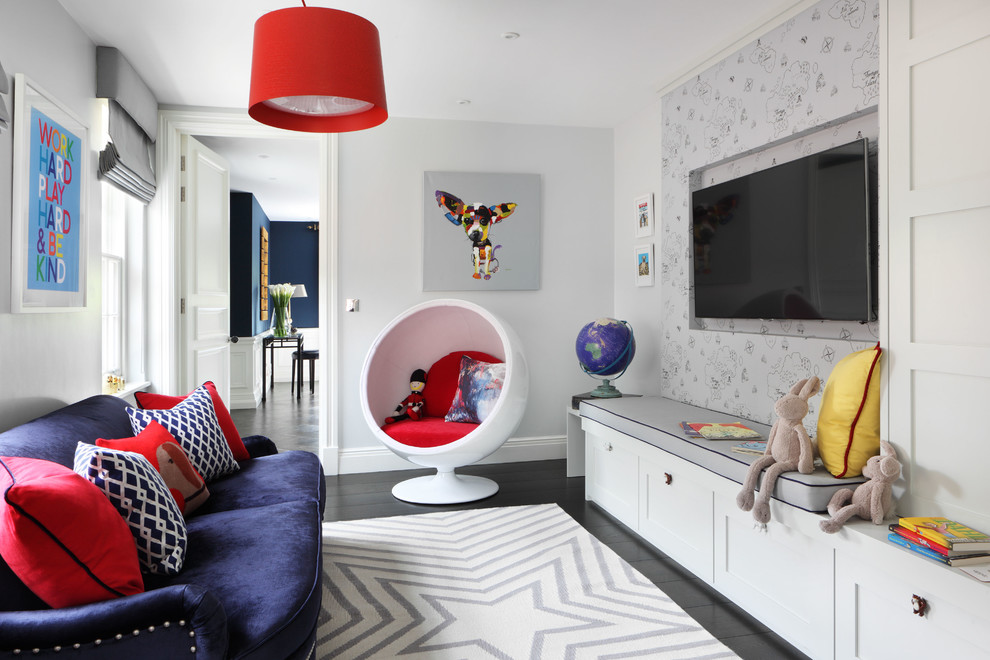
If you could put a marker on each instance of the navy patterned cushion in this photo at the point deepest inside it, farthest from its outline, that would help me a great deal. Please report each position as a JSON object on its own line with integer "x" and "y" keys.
{"x": 193, "y": 423}
{"x": 134, "y": 486}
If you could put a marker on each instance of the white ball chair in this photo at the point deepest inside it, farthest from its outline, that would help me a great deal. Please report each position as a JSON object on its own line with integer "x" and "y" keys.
{"x": 415, "y": 340}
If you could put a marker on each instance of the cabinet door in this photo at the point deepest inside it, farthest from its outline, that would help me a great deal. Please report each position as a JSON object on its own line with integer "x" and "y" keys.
{"x": 783, "y": 574}
{"x": 675, "y": 511}
{"x": 612, "y": 470}
{"x": 875, "y": 619}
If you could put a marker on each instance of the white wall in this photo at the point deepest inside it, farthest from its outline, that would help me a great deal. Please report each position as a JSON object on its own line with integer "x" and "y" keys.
{"x": 637, "y": 172}
{"x": 380, "y": 247}
{"x": 48, "y": 359}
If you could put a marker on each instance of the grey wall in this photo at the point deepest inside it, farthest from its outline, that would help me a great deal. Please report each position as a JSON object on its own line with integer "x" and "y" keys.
{"x": 47, "y": 359}
{"x": 381, "y": 230}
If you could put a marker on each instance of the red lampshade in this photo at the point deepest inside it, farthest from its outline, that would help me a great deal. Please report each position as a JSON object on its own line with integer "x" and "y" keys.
{"x": 317, "y": 69}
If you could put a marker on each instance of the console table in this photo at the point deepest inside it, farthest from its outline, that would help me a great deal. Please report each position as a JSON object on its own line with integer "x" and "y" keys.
{"x": 272, "y": 342}
{"x": 851, "y": 594}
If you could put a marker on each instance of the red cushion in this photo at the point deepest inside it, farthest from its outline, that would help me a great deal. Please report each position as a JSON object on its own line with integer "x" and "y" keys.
{"x": 62, "y": 537}
{"x": 160, "y": 448}
{"x": 152, "y": 401}
{"x": 441, "y": 381}
{"x": 427, "y": 432}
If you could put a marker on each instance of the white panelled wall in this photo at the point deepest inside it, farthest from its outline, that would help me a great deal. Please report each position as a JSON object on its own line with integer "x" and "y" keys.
{"x": 938, "y": 210}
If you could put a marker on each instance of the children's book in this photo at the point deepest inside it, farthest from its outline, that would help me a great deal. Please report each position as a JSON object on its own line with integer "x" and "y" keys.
{"x": 948, "y": 533}
{"x": 727, "y": 431}
{"x": 961, "y": 560}
{"x": 756, "y": 447}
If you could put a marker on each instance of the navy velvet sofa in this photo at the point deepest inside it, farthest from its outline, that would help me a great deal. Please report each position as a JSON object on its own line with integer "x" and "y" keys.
{"x": 249, "y": 588}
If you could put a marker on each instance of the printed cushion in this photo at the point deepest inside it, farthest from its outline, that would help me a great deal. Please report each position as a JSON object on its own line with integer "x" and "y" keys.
{"x": 140, "y": 495}
{"x": 478, "y": 388}
{"x": 441, "y": 381}
{"x": 61, "y": 536}
{"x": 849, "y": 419}
{"x": 165, "y": 455}
{"x": 193, "y": 423}
{"x": 152, "y": 401}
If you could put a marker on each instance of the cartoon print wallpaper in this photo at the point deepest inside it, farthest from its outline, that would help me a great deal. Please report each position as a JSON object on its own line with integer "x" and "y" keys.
{"x": 806, "y": 86}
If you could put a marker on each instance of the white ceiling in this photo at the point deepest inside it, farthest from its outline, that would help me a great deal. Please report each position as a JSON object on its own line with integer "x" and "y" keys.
{"x": 576, "y": 62}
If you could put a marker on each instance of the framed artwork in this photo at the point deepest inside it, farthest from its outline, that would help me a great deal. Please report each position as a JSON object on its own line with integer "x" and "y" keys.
{"x": 49, "y": 223}
{"x": 264, "y": 274}
{"x": 481, "y": 232}
{"x": 644, "y": 265}
{"x": 644, "y": 216}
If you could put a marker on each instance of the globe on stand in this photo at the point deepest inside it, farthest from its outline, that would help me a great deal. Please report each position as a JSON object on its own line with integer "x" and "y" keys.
{"x": 605, "y": 348}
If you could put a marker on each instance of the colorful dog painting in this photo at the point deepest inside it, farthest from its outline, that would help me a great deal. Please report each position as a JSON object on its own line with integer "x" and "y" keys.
{"x": 476, "y": 220}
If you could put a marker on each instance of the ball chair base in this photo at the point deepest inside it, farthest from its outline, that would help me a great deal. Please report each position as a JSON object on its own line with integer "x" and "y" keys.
{"x": 444, "y": 488}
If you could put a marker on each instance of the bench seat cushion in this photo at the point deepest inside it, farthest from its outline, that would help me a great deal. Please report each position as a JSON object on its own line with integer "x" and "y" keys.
{"x": 656, "y": 421}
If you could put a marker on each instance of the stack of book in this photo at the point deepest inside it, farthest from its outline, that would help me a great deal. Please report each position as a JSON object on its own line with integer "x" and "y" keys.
{"x": 942, "y": 539}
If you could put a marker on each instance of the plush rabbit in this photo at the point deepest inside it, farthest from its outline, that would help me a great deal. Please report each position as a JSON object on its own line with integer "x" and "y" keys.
{"x": 788, "y": 448}
{"x": 872, "y": 500}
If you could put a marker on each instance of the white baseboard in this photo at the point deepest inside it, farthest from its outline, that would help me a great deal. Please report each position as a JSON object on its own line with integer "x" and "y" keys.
{"x": 515, "y": 450}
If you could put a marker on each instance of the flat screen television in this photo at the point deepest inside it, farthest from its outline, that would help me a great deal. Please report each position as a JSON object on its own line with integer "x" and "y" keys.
{"x": 794, "y": 241}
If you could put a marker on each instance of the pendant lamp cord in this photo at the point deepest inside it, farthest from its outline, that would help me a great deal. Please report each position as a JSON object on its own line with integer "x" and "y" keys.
{"x": 304, "y": 3}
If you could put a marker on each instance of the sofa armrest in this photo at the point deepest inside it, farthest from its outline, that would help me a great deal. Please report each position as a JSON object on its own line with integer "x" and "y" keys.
{"x": 259, "y": 445}
{"x": 178, "y": 621}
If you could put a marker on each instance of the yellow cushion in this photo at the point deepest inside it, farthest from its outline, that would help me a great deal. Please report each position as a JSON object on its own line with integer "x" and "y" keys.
{"x": 849, "y": 420}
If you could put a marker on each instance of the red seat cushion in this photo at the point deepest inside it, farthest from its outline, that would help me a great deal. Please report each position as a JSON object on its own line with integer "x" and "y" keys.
{"x": 441, "y": 382}
{"x": 427, "y": 432}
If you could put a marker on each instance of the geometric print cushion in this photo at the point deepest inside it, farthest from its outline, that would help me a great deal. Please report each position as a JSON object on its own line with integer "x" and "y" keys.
{"x": 193, "y": 423}
{"x": 134, "y": 486}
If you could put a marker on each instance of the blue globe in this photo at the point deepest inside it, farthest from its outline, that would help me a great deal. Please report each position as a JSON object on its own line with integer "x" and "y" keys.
{"x": 605, "y": 348}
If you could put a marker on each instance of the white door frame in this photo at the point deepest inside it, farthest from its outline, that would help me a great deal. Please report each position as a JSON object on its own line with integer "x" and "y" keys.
{"x": 174, "y": 123}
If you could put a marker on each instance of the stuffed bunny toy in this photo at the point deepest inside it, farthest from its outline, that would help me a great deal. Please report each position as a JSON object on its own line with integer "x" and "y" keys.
{"x": 872, "y": 500}
{"x": 788, "y": 448}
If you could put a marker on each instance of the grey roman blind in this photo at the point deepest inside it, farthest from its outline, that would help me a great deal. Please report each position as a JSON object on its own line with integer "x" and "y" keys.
{"x": 4, "y": 113}
{"x": 128, "y": 161}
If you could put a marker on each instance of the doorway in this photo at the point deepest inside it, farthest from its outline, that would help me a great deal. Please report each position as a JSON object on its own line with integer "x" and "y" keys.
{"x": 225, "y": 124}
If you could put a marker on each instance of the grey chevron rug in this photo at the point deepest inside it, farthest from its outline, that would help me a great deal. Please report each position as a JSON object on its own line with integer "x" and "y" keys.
{"x": 512, "y": 583}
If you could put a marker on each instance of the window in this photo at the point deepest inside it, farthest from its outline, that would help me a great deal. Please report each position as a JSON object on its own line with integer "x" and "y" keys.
{"x": 123, "y": 289}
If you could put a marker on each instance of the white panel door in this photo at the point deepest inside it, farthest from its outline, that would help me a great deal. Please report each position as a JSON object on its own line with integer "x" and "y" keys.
{"x": 205, "y": 269}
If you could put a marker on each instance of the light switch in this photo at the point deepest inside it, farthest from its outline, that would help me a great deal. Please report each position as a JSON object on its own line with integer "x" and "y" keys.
{"x": 351, "y": 304}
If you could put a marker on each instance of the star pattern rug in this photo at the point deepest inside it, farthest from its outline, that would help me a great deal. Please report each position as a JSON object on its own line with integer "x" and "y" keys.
{"x": 512, "y": 583}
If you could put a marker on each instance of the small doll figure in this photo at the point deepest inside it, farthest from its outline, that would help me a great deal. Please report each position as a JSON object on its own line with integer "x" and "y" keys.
{"x": 412, "y": 406}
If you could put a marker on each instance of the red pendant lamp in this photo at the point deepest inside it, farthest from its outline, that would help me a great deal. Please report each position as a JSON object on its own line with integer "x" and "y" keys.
{"x": 318, "y": 70}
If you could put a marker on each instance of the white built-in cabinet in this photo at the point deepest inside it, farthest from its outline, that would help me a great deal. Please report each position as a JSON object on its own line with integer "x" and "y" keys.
{"x": 844, "y": 595}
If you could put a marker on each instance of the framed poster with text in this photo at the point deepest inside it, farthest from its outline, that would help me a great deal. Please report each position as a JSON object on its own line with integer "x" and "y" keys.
{"x": 49, "y": 227}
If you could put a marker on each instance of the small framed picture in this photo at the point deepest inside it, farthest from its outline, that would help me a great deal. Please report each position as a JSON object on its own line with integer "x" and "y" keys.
{"x": 644, "y": 265}
{"x": 644, "y": 216}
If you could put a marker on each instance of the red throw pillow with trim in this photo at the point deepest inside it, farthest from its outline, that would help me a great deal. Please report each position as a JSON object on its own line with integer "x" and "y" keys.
{"x": 62, "y": 537}
{"x": 152, "y": 401}
{"x": 160, "y": 448}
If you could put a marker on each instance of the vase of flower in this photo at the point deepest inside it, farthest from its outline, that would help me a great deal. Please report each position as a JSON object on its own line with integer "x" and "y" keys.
{"x": 281, "y": 324}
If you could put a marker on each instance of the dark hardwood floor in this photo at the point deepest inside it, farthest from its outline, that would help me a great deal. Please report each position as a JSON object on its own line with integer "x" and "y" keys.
{"x": 291, "y": 423}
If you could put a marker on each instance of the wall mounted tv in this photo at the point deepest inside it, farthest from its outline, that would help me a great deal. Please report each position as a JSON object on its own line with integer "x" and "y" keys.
{"x": 794, "y": 241}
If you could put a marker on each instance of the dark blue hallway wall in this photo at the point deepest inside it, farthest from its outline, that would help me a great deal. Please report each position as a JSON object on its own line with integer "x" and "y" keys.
{"x": 295, "y": 258}
{"x": 246, "y": 220}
